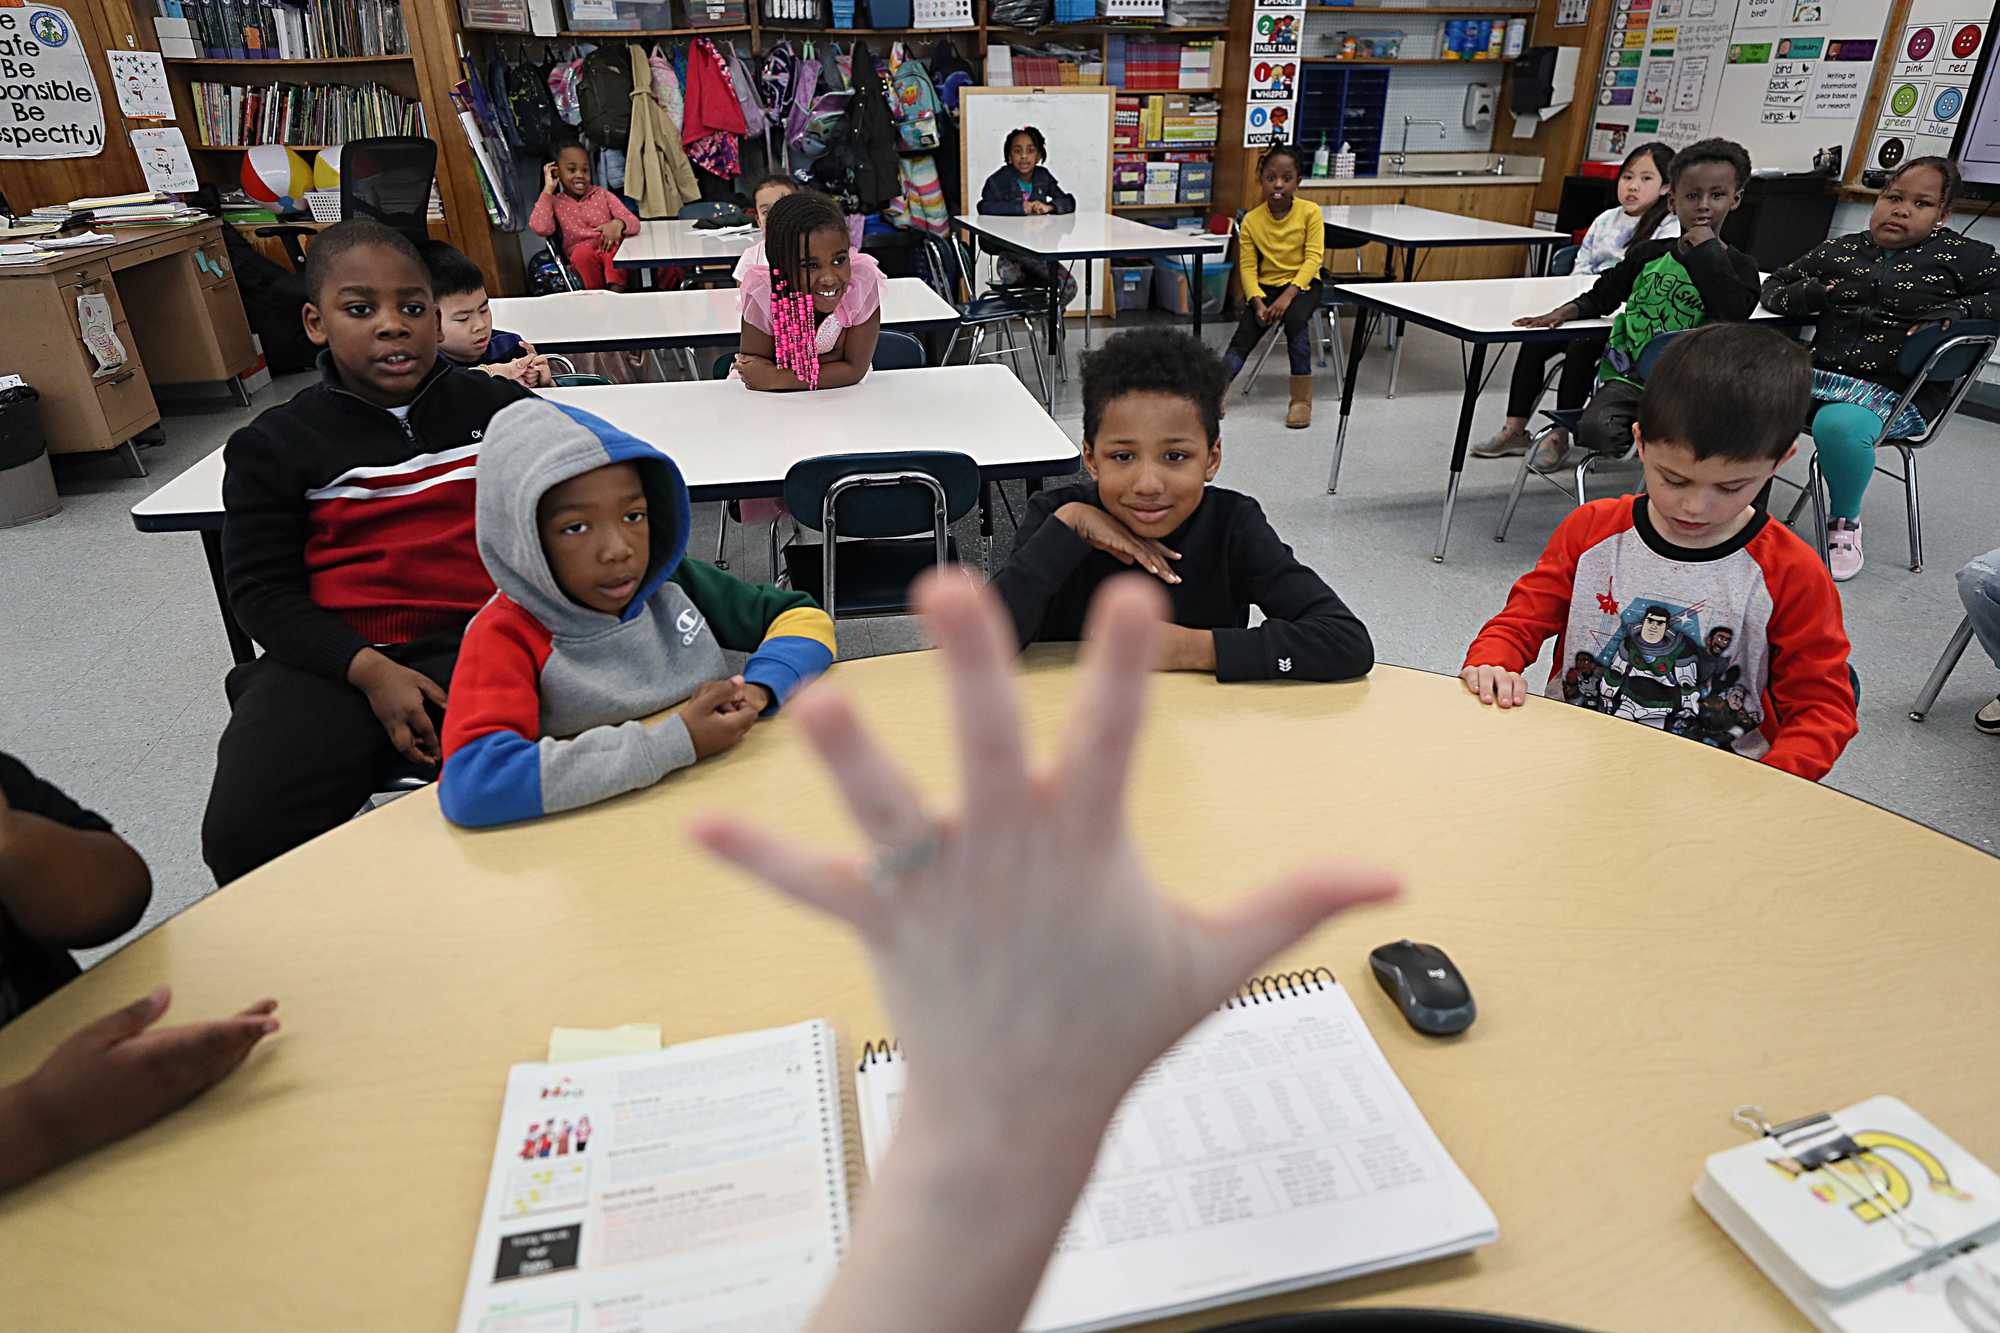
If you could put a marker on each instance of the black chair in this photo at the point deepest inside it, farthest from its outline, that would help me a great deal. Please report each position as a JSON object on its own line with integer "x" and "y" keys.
{"x": 896, "y": 350}
{"x": 865, "y": 506}
{"x": 951, "y": 274}
{"x": 386, "y": 179}
{"x": 714, "y": 210}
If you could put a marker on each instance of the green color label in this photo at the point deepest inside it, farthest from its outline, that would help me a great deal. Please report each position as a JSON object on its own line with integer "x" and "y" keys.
{"x": 1750, "y": 53}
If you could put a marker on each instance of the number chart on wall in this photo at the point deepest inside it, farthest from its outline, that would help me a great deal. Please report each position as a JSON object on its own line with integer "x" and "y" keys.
{"x": 1935, "y": 55}
{"x": 1785, "y": 78}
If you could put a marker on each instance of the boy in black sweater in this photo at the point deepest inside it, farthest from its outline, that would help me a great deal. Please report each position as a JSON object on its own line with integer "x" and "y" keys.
{"x": 1152, "y": 408}
{"x": 1664, "y": 286}
{"x": 348, "y": 551}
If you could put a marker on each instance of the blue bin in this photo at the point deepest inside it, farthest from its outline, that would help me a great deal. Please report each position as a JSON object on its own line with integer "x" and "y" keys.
{"x": 890, "y": 13}
{"x": 843, "y": 13}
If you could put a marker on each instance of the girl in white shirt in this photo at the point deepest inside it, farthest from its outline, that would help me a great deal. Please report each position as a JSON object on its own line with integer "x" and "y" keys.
{"x": 1644, "y": 211}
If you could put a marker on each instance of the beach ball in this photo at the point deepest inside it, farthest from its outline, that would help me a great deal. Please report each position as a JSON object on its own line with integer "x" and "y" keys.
{"x": 275, "y": 174}
{"x": 326, "y": 168}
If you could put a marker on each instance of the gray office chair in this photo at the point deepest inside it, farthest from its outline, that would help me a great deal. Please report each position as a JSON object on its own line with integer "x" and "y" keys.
{"x": 1937, "y": 355}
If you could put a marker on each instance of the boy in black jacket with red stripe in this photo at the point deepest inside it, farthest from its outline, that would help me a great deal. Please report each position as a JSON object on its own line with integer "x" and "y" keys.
{"x": 1152, "y": 404}
{"x": 348, "y": 551}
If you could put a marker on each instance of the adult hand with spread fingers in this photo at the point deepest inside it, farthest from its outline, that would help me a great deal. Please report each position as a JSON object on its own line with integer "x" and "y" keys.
{"x": 989, "y": 931}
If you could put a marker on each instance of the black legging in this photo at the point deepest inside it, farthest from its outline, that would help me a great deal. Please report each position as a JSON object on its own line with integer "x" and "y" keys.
{"x": 1579, "y": 372}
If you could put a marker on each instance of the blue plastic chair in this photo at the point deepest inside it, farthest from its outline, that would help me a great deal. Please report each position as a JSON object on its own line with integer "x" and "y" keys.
{"x": 896, "y": 350}
{"x": 1567, "y": 418}
{"x": 865, "y": 506}
{"x": 952, "y": 275}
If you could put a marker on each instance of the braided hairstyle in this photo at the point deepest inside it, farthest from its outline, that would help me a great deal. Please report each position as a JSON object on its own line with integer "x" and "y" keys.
{"x": 788, "y": 232}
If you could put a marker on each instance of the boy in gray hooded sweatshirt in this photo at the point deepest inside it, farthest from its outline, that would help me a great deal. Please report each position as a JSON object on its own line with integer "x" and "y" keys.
{"x": 600, "y": 621}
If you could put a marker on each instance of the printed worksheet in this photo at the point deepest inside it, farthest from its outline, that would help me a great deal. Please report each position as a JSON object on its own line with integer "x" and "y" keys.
{"x": 700, "y": 1187}
{"x": 1271, "y": 1148}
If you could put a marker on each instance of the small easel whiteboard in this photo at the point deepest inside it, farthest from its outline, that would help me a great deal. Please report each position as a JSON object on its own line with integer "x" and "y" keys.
{"x": 1075, "y": 121}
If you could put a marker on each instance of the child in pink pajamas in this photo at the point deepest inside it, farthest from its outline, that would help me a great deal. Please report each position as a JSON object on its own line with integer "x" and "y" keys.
{"x": 591, "y": 219}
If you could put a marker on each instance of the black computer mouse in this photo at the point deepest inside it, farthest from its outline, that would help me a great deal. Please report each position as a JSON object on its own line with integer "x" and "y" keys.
{"x": 1425, "y": 986}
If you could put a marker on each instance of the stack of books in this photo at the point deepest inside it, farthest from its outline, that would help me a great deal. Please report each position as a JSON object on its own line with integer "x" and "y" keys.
{"x": 231, "y": 116}
{"x": 291, "y": 29}
{"x": 118, "y": 210}
{"x": 1146, "y": 64}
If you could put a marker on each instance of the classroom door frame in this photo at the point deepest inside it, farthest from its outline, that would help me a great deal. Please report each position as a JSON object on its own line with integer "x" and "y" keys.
{"x": 1103, "y": 295}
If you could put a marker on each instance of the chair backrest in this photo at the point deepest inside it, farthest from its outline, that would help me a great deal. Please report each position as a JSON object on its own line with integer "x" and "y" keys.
{"x": 723, "y": 365}
{"x": 1649, "y": 355}
{"x": 896, "y": 350}
{"x": 1563, "y": 262}
{"x": 1944, "y": 354}
{"x": 711, "y": 210}
{"x": 886, "y": 508}
{"x": 578, "y": 381}
{"x": 389, "y": 180}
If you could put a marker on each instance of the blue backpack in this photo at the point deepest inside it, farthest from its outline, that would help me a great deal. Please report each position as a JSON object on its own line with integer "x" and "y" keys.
{"x": 914, "y": 100}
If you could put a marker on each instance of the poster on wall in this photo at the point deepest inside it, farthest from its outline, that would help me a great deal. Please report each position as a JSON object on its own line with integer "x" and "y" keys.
{"x": 139, "y": 78}
{"x": 1928, "y": 86}
{"x": 163, "y": 158}
{"x": 1271, "y": 96}
{"x": 49, "y": 105}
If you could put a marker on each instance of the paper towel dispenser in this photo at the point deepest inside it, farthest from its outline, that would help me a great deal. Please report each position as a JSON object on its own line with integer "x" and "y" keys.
{"x": 1544, "y": 80}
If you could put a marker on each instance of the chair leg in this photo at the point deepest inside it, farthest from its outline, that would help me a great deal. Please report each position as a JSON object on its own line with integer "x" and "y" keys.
{"x": 1819, "y": 505}
{"x": 1582, "y": 474}
{"x": 1520, "y": 483}
{"x": 1257, "y": 369}
{"x": 721, "y": 535}
{"x": 1792, "y": 518}
{"x": 774, "y": 550}
{"x": 1323, "y": 320}
{"x": 1910, "y": 503}
{"x": 951, "y": 345}
{"x": 1946, "y": 664}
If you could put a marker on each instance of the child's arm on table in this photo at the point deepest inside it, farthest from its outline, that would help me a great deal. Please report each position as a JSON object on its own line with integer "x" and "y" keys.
{"x": 1308, "y": 633}
{"x": 1052, "y": 540}
{"x": 113, "y": 1078}
{"x": 498, "y": 768}
{"x": 1537, "y": 609}
{"x": 757, "y": 363}
{"x": 789, "y": 639}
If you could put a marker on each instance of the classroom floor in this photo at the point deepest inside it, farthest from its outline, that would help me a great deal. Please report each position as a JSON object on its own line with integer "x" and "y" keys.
{"x": 112, "y": 660}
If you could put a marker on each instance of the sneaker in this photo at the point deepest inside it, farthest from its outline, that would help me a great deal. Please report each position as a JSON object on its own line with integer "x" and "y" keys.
{"x": 1551, "y": 452}
{"x": 1843, "y": 546}
{"x": 1987, "y": 719}
{"x": 1510, "y": 440}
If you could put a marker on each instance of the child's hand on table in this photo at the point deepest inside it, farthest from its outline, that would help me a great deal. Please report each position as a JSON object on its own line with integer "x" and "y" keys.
{"x": 1036, "y": 208}
{"x": 717, "y": 716}
{"x": 1554, "y": 319}
{"x": 397, "y": 694}
{"x": 1495, "y": 685}
{"x": 758, "y": 372}
{"x": 609, "y": 235}
{"x": 756, "y": 698}
{"x": 115, "y": 1077}
{"x": 1116, "y": 540}
{"x": 534, "y": 372}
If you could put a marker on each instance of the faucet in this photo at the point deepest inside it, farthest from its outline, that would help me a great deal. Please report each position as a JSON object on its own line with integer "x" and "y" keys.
{"x": 1400, "y": 159}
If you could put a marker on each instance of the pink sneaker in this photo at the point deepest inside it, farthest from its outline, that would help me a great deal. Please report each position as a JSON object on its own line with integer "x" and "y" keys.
{"x": 1843, "y": 545}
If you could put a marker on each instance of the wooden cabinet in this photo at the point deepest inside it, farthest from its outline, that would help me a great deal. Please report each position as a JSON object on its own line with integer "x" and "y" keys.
{"x": 1495, "y": 203}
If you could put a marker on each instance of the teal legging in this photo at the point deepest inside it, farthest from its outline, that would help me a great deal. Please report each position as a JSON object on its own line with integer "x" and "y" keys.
{"x": 1845, "y": 434}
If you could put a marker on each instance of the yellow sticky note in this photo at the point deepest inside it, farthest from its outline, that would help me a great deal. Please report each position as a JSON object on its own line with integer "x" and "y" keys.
{"x": 593, "y": 1043}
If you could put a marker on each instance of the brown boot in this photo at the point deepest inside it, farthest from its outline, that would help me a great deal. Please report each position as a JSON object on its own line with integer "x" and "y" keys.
{"x": 1300, "y": 414}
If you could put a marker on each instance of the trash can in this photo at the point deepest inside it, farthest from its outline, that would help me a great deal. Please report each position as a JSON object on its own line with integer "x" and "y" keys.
{"x": 27, "y": 486}
{"x": 1133, "y": 284}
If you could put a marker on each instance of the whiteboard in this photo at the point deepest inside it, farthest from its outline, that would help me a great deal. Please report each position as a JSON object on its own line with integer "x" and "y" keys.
{"x": 1784, "y": 78}
{"x": 1076, "y": 123}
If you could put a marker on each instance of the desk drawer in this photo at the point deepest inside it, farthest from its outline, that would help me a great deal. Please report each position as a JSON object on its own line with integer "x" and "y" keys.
{"x": 127, "y": 396}
{"x": 213, "y": 264}
{"x": 84, "y": 284}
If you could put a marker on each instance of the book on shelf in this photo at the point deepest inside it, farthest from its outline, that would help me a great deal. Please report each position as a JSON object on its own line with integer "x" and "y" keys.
{"x": 278, "y": 30}
{"x": 237, "y": 116}
{"x": 707, "y": 1184}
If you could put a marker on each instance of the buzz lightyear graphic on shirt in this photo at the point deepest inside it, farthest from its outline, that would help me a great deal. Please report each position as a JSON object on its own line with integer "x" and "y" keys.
{"x": 1659, "y": 668}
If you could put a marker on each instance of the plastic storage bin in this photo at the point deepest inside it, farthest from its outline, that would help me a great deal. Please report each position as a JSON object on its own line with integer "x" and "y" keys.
{"x": 1170, "y": 285}
{"x": 891, "y": 13}
{"x": 27, "y": 486}
{"x": 717, "y": 13}
{"x": 632, "y": 16}
{"x": 1132, "y": 284}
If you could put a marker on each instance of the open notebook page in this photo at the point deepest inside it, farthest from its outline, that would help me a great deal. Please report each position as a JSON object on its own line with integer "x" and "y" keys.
{"x": 698, "y": 1187}
{"x": 1272, "y": 1148}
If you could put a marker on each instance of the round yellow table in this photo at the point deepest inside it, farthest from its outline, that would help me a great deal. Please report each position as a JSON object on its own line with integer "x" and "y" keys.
{"x": 1655, "y": 932}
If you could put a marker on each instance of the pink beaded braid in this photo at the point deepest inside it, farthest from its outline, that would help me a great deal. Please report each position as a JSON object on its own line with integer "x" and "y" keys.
{"x": 794, "y": 328}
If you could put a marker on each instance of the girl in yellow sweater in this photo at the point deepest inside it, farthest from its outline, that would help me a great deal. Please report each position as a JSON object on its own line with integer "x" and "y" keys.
{"x": 1280, "y": 244}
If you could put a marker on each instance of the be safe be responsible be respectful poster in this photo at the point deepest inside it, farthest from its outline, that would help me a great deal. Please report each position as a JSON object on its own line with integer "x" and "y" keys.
{"x": 49, "y": 105}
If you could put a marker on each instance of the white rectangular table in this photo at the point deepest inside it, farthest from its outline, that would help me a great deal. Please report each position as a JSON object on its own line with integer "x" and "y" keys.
{"x": 605, "y": 321}
{"x": 733, "y": 444}
{"x": 659, "y": 244}
{"x": 1094, "y": 236}
{"x": 1411, "y": 229}
{"x": 1477, "y": 311}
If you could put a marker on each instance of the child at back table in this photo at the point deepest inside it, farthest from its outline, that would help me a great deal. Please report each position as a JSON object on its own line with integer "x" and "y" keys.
{"x": 1665, "y": 286}
{"x": 763, "y": 199}
{"x": 1687, "y": 608}
{"x": 1868, "y": 292}
{"x": 1025, "y": 187}
{"x": 811, "y": 316}
{"x": 1280, "y": 247}
{"x": 1152, "y": 441}
{"x": 592, "y": 222}
{"x": 599, "y": 621}
{"x": 466, "y": 336}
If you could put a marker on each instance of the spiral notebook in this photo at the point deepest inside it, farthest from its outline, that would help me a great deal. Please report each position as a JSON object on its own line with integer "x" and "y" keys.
{"x": 1271, "y": 1149}
{"x": 700, "y": 1186}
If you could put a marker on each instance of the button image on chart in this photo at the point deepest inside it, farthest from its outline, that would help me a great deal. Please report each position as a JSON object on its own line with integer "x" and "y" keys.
{"x": 1889, "y": 152}
{"x": 1959, "y": 53}
{"x": 1941, "y": 119}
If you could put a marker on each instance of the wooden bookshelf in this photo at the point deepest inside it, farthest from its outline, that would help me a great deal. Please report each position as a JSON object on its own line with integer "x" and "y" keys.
{"x": 401, "y": 59}
{"x": 246, "y": 147}
{"x": 605, "y": 35}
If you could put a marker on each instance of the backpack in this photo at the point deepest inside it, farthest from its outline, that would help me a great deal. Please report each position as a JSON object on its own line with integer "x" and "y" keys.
{"x": 744, "y": 84}
{"x": 604, "y": 93}
{"x": 825, "y": 125}
{"x": 667, "y": 87}
{"x": 533, "y": 110}
{"x": 498, "y": 81}
{"x": 805, "y": 88}
{"x": 561, "y": 80}
{"x": 915, "y": 104}
{"x": 774, "y": 80}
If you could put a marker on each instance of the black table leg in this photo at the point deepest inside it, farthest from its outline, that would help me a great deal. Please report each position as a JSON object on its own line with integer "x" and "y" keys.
{"x": 1356, "y": 349}
{"x": 240, "y": 647}
{"x": 1474, "y": 372}
{"x": 1396, "y": 355}
{"x": 1194, "y": 293}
